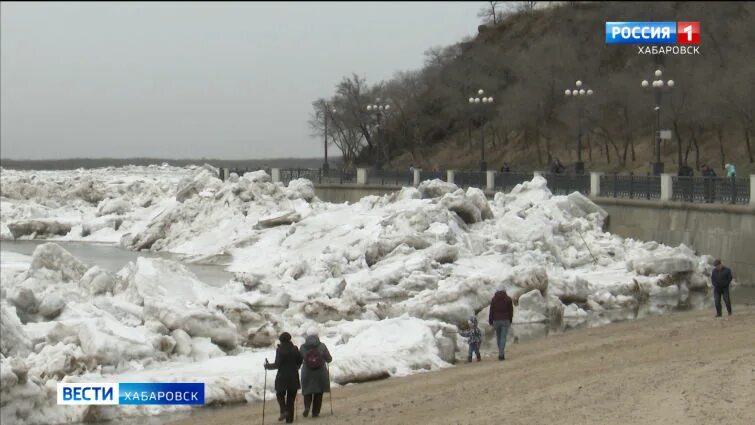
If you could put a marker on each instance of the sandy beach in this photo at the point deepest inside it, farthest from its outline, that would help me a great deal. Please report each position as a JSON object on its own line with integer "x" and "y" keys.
{"x": 684, "y": 368}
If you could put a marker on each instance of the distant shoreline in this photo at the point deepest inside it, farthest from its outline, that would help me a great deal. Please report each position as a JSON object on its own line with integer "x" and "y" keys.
{"x": 75, "y": 163}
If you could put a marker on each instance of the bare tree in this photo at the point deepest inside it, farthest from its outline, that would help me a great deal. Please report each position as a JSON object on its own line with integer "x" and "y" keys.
{"x": 526, "y": 6}
{"x": 489, "y": 13}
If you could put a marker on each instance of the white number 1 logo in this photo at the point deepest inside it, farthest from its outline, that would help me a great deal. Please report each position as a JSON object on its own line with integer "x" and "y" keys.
{"x": 688, "y": 30}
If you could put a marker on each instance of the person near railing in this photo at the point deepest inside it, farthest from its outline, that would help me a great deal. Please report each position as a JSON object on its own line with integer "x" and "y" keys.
{"x": 731, "y": 174}
{"x": 557, "y": 167}
{"x": 708, "y": 184}
{"x": 686, "y": 173}
{"x": 505, "y": 168}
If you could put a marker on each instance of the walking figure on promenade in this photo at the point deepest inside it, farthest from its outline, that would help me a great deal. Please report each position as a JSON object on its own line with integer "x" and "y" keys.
{"x": 731, "y": 173}
{"x": 500, "y": 317}
{"x": 708, "y": 174}
{"x": 721, "y": 278}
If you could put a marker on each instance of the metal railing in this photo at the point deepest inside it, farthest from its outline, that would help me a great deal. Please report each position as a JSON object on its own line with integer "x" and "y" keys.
{"x": 432, "y": 175}
{"x": 507, "y": 181}
{"x": 465, "y": 179}
{"x": 224, "y": 173}
{"x": 338, "y": 176}
{"x": 564, "y": 184}
{"x": 312, "y": 174}
{"x": 390, "y": 177}
{"x": 631, "y": 186}
{"x": 699, "y": 189}
{"x": 725, "y": 190}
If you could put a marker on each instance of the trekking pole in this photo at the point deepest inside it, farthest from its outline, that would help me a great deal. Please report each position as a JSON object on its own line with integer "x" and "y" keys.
{"x": 330, "y": 393}
{"x": 264, "y": 389}
{"x": 586, "y": 246}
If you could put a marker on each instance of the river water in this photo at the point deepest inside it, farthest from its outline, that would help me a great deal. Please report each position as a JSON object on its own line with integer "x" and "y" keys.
{"x": 113, "y": 257}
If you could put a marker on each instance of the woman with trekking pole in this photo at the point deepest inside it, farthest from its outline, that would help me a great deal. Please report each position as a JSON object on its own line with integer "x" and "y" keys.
{"x": 288, "y": 360}
{"x": 315, "y": 376}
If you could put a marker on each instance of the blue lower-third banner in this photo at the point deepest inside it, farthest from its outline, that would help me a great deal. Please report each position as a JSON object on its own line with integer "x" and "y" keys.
{"x": 160, "y": 393}
{"x": 131, "y": 393}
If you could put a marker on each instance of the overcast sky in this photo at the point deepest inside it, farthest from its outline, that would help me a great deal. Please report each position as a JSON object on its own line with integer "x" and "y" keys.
{"x": 192, "y": 80}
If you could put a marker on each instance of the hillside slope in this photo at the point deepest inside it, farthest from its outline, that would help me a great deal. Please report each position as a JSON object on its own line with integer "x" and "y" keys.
{"x": 528, "y": 60}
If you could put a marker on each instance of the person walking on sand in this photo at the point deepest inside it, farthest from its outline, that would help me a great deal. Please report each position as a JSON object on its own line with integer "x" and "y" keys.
{"x": 288, "y": 359}
{"x": 474, "y": 335}
{"x": 501, "y": 314}
{"x": 315, "y": 377}
{"x": 721, "y": 279}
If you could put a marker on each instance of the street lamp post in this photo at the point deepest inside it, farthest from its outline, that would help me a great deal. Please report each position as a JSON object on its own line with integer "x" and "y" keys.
{"x": 477, "y": 101}
{"x": 658, "y": 85}
{"x": 578, "y": 94}
{"x": 326, "y": 110}
{"x": 379, "y": 109}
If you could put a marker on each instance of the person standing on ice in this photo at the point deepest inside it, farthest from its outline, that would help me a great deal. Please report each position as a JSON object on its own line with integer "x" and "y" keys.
{"x": 315, "y": 377}
{"x": 721, "y": 279}
{"x": 501, "y": 314}
{"x": 288, "y": 360}
{"x": 474, "y": 335}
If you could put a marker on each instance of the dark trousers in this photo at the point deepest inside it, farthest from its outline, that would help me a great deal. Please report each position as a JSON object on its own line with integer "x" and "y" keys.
{"x": 286, "y": 400}
{"x": 717, "y": 293}
{"x": 314, "y": 400}
{"x": 708, "y": 188}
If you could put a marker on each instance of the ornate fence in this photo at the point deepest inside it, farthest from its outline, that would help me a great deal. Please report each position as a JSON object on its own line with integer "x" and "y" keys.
{"x": 631, "y": 186}
{"x": 390, "y": 177}
{"x": 507, "y": 181}
{"x": 684, "y": 189}
{"x": 432, "y": 175}
{"x": 312, "y": 174}
{"x": 564, "y": 184}
{"x": 466, "y": 179}
{"x": 725, "y": 190}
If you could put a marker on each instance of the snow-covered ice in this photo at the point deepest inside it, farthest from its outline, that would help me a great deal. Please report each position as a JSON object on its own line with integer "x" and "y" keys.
{"x": 385, "y": 280}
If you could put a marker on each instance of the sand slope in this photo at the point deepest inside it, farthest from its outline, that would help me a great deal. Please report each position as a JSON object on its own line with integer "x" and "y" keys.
{"x": 686, "y": 368}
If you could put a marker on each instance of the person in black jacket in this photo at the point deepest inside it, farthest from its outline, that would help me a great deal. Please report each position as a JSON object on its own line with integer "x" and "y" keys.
{"x": 721, "y": 278}
{"x": 708, "y": 184}
{"x": 288, "y": 361}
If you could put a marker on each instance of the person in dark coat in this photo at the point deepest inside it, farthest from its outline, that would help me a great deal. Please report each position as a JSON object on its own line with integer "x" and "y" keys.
{"x": 685, "y": 170}
{"x": 685, "y": 185}
{"x": 288, "y": 360}
{"x": 721, "y": 279}
{"x": 501, "y": 314}
{"x": 315, "y": 377}
{"x": 708, "y": 184}
{"x": 557, "y": 167}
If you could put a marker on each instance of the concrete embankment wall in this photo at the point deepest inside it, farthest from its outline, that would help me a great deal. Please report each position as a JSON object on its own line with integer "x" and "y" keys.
{"x": 722, "y": 231}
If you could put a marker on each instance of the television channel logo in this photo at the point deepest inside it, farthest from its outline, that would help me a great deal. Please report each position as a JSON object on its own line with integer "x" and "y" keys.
{"x": 653, "y": 33}
{"x": 130, "y": 393}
